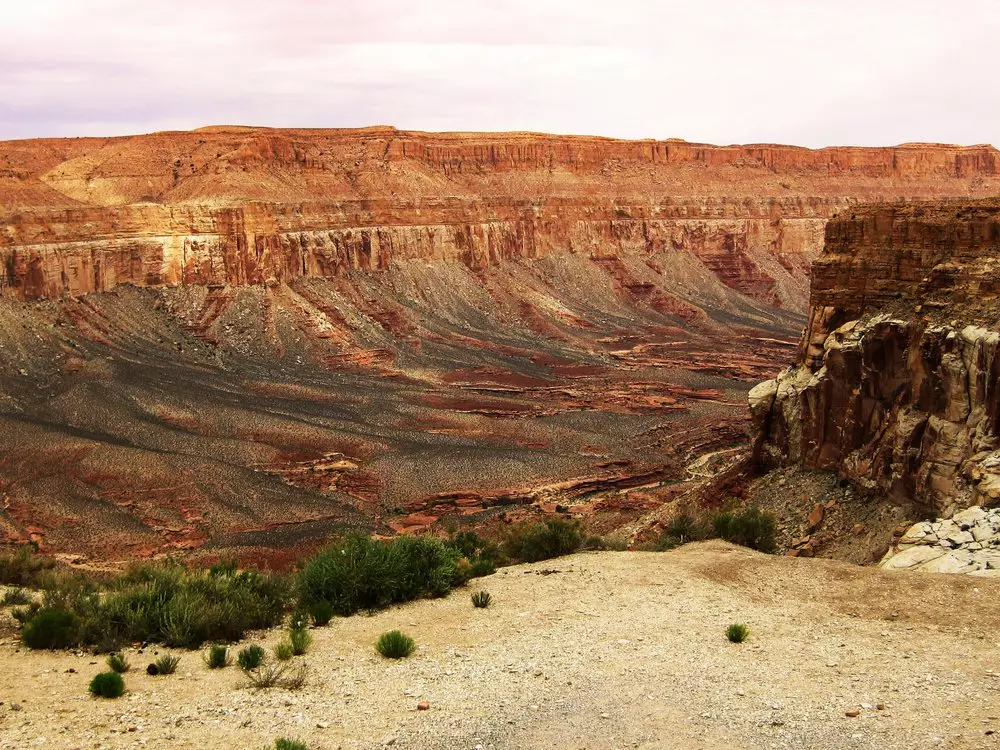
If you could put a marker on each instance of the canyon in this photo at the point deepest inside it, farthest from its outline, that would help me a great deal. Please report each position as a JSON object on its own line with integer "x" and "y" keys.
{"x": 242, "y": 339}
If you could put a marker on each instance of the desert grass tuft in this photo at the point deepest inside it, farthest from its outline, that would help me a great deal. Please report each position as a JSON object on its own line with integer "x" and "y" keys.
{"x": 107, "y": 685}
{"x": 167, "y": 664}
{"x": 481, "y": 599}
{"x": 250, "y": 657}
{"x": 218, "y": 656}
{"x": 737, "y": 632}
{"x": 395, "y": 645}
{"x": 117, "y": 662}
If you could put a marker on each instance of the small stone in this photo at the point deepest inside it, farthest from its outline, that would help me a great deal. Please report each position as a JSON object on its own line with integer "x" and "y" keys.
{"x": 322, "y": 725}
{"x": 852, "y": 713}
{"x": 880, "y": 707}
{"x": 423, "y": 706}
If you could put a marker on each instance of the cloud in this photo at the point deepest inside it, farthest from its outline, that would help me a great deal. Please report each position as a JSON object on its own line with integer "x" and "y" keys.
{"x": 803, "y": 71}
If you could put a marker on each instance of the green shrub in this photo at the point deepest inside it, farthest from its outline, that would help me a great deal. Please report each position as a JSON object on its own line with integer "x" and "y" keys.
{"x": 22, "y": 567}
{"x": 750, "y": 527}
{"x": 395, "y": 645}
{"x": 366, "y": 574}
{"x": 118, "y": 663}
{"x": 284, "y": 651}
{"x": 175, "y": 605}
{"x": 15, "y": 597}
{"x": 299, "y": 639}
{"x": 51, "y": 628}
{"x": 167, "y": 664}
{"x": 737, "y": 632}
{"x": 107, "y": 685}
{"x": 680, "y": 530}
{"x": 481, "y": 600}
{"x": 250, "y": 657}
{"x": 283, "y": 743}
{"x": 321, "y": 613}
{"x": 531, "y": 542}
{"x": 218, "y": 656}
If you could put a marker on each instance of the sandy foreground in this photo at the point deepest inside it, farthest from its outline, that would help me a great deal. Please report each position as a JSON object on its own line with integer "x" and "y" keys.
{"x": 597, "y": 650}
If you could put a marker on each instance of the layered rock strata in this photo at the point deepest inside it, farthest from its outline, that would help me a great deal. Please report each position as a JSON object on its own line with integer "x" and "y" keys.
{"x": 896, "y": 385}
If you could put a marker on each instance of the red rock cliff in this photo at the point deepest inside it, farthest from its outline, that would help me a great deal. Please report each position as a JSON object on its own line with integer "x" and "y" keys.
{"x": 896, "y": 387}
{"x": 250, "y": 205}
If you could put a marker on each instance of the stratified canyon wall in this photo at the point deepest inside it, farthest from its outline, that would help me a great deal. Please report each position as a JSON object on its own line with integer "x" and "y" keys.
{"x": 896, "y": 385}
{"x": 251, "y": 206}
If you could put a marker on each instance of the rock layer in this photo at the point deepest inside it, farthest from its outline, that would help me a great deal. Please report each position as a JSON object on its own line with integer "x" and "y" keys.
{"x": 248, "y": 205}
{"x": 896, "y": 385}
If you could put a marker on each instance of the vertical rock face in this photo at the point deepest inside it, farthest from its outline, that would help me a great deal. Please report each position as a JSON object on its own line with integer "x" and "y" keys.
{"x": 896, "y": 386}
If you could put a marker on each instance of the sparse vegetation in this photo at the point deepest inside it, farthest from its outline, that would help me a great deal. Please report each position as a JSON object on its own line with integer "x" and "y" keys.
{"x": 299, "y": 639}
{"x": 367, "y": 574}
{"x": 277, "y": 675}
{"x": 395, "y": 645}
{"x": 604, "y": 544}
{"x": 283, "y": 743}
{"x": 481, "y": 599}
{"x": 250, "y": 657}
{"x": 167, "y": 664}
{"x": 107, "y": 685}
{"x": 737, "y": 632}
{"x": 15, "y": 597}
{"x": 22, "y": 567}
{"x": 680, "y": 530}
{"x": 531, "y": 542}
{"x": 750, "y": 527}
{"x": 284, "y": 651}
{"x": 118, "y": 663}
{"x": 218, "y": 656}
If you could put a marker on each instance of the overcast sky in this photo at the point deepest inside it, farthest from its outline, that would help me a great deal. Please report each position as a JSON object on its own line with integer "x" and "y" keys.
{"x": 811, "y": 72}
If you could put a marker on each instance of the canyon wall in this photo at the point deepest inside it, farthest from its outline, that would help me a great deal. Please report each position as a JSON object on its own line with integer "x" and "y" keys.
{"x": 229, "y": 205}
{"x": 896, "y": 383}
{"x": 761, "y": 248}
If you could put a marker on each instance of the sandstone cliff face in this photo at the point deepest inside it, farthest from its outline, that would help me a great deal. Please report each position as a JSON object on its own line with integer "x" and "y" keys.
{"x": 761, "y": 248}
{"x": 254, "y": 205}
{"x": 896, "y": 386}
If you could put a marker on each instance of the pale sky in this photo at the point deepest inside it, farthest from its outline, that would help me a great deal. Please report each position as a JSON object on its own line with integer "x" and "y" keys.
{"x": 809, "y": 72}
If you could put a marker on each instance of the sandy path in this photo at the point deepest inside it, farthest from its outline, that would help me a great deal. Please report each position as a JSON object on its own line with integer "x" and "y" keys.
{"x": 616, "y": 650}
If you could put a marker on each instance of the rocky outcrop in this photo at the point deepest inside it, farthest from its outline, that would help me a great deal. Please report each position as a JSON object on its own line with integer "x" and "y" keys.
{"x": 896, "y": 386}
{"x": 967, "y": 543}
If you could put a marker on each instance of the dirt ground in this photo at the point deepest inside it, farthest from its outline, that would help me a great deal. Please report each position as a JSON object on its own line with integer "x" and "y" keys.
{"x": 596, "y": 650}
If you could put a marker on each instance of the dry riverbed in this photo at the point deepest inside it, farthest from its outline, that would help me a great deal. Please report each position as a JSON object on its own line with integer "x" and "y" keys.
{"x": 597, "y": 650}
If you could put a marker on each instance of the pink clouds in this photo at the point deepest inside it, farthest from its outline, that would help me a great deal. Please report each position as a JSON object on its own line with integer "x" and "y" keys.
{"x": 805, "y": 71}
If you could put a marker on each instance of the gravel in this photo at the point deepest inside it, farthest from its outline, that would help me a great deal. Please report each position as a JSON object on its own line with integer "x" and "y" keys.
{"x": 615, "y": 650}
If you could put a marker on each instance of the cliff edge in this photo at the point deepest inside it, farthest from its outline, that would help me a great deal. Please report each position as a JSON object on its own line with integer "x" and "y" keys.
{"x": 895, "y": 384}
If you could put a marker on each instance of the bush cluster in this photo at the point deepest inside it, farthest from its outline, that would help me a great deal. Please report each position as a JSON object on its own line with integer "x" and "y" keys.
{"x": 367, "y": 574}
{"x": 168, "y": 603}
{"x": 750, "y": 527}
{"x": 531, "y": 542}
{"x": 21, "y": 567}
